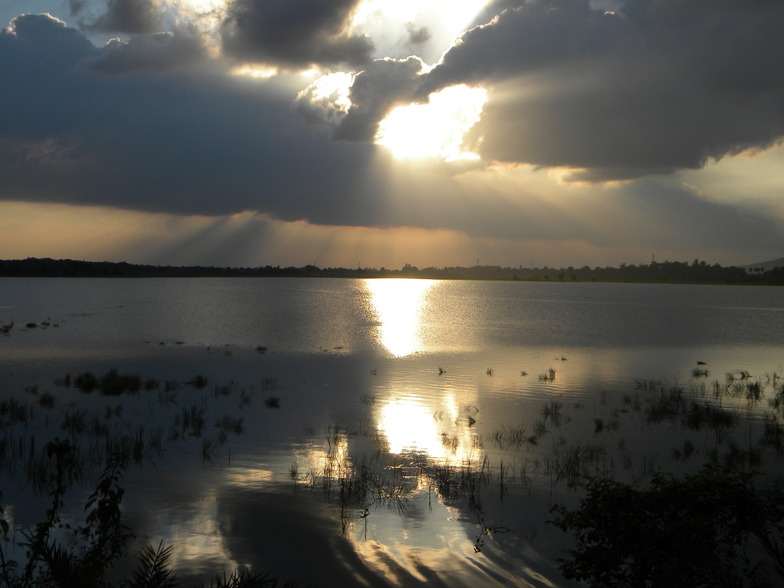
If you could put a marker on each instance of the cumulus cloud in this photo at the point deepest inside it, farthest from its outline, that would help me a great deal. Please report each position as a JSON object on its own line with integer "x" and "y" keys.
{"x": 156, "y": 52}
{"x": 153, "y": 123}
{"x": 199, "y": 141}
{"x": 657, "y": 86}
{"x": 294, "y": 33}
{"x": 384, "y": 84}
{"x": 120, "y": 16}
{"x": 353, "y": 114}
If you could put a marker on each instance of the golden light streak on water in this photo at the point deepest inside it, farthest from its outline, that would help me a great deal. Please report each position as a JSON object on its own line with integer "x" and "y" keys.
{"x": 398, "y": 305}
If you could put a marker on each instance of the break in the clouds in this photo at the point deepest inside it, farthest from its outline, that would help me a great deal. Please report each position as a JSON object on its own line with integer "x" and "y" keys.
{"x": 657, "y": 86}
{"x": 382, "y": 85}
{"x": 294, "y": 33}
{"x": 283, "y": 110}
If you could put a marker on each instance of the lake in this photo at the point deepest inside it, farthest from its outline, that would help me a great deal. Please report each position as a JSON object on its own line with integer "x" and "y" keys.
{"x": 370, "y": 432}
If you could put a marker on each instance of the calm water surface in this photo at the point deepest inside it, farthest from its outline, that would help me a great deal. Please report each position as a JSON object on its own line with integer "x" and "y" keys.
{"x": 413, "y": 381}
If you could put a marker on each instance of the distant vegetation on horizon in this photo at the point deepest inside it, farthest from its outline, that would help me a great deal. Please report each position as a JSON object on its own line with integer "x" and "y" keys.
{"x": 667, "y": 271}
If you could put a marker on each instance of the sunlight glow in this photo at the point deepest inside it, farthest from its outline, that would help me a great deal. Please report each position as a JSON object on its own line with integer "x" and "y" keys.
{"x": 409, "y": 426}
{"x": 456, "y": 13}
{"x": 330, "y": 92}
{"x": 201, "y": 6}
{"x": 425, "y": 27}
{"x": 255, "y": 71}
{"x": 203, "y": 17}
{"x": 398, "y": 305}
{"x": 199, "y": 536}
{"x": 330, "y": 461}
{"x": 436, "y": 129}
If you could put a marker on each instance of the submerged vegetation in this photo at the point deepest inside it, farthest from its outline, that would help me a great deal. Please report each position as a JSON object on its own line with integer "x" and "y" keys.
{"x": 712, "y": 528}
{"x": 61, "y": 551}
{"x": 709, "y": 516}
{"x": 703, "y": 502}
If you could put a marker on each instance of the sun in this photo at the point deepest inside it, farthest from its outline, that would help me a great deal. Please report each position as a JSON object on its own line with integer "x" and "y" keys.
{"x": 436, "y": 129}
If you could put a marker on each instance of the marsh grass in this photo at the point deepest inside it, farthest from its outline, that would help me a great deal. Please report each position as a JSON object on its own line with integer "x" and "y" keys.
{"x": 552, "y": 413}
{"x": 359, "y": 475}
{"x": 191, "y": 420}
{"x": 572, "y": 463}
{"x": 512, "y": 437}
{"x": 701, "y": 415}
{"x": 667, "y": 406}
{"x": 14, "y": 412}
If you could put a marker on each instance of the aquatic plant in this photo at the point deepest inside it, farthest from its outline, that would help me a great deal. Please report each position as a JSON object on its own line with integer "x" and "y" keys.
{"x": 552, "y": 412}
{"x": 151, "y": 384}
{"x": 692, "y": 530}
{"x": 223, "y": 389}
{"x": 191, "y": 419}
{"x": 86, "y": 382}
{"x": 246, "y": 578}
{"x": 229, "y": 424}
{"x": 510, "y": 437}
{"x": 198, "y": 382}
{"x": 572, "y": 463}
{"x": 668, "y": 406}
{"x": 80, "y": 554}
{"x": 153, "y": 568}
{"x": 94, "y": 545}
{"x": 113, "y": 383}
{"x": 46, "y": 400}
{"x": 269, "y": 384}
{"x": 700, "y": 415}
{"x": 14, "y": 412}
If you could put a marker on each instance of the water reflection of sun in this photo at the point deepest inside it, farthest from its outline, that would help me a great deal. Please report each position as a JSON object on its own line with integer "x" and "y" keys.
{"x": 409, "y": 425}
{"x": 398, "y": 305}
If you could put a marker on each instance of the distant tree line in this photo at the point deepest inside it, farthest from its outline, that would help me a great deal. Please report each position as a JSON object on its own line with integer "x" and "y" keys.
{"x": 697, "y": 272}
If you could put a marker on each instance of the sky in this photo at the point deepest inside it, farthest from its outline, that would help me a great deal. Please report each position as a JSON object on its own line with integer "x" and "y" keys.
{"x": 376, "y": 133}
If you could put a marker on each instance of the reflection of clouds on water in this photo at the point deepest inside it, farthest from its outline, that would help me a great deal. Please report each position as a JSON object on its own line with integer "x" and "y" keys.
{"x": 398, "y": 304}
{"x": 327, "y": 461}
{"x": 197, "y": 539}
{"x": 291, "y": 536}
{"x": 248, "y": 477}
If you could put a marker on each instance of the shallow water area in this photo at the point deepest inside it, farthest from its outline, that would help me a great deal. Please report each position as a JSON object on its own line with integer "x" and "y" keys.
{"x": 369, "y": 432}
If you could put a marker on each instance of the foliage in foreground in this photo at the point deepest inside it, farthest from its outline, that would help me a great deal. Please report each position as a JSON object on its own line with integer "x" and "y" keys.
{"x": 696, "y": 531}
{"x": 62, "y": 555}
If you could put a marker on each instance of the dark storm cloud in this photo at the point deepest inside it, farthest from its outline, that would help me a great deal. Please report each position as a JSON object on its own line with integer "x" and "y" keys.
{"x": 294, "y": 33}
{"x": 159, "y": 51}
{"x": 120, "y": 16}
{"x": 109, "y": 126}
{"x": 197, "y": 141}
{"x": 375, "y": 91}
{"x": 380, "y": 87}
{"x": 658, "y": 86}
